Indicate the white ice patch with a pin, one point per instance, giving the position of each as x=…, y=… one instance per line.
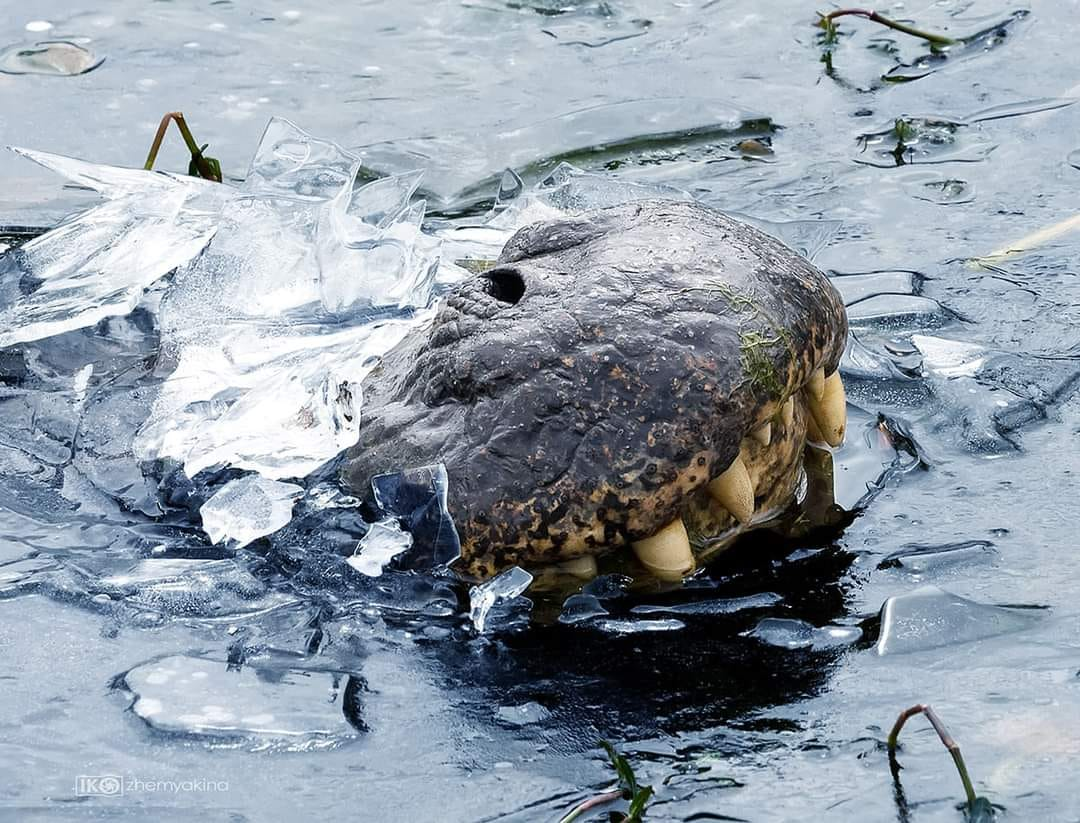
x=246, y=509
x=384, y=541
x=949, y=358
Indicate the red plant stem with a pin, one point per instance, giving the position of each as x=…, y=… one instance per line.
x=591, y=803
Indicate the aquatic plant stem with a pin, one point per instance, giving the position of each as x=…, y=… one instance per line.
x=591, y=803
x=206, y=169
x=827, y=22
x=1027, y=243
x=946, y=740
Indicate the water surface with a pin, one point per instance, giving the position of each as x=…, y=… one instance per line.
x=382, y=703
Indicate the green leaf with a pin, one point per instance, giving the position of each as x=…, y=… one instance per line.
x=828, y=26
x=627, y=781
x=637, y=805
x=210, y=163
x=637, y=795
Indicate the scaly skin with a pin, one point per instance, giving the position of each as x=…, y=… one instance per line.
x=584, y=392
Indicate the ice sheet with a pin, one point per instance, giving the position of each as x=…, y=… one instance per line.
x=308, y=281
x=285, y=291
x=98, y=263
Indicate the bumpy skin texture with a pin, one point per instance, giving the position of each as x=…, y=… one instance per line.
x=586, y=388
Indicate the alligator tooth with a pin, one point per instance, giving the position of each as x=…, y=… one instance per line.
x=830, y=411
x=787, y=412
x=813, y=433
x=816, y=384
x=583, y=567
x=667, y=553
x=763, y=434
x=734, y=491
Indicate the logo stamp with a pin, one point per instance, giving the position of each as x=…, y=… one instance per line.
x=99, y=785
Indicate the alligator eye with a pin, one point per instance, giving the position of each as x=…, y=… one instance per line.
x=505, y=285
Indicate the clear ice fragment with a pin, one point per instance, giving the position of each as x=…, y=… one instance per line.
x=569, y=189
x=613, y=625
x=807, y=237
x=918, y=558
x=417, y=497
x=523, y=715
x=290, y=163
x=500, y=589
x=98, y=264
x=949, y=358
x=579, y=607
x=798, y=634
x=248, y=508
x=259, y=707
x=383, y=542
x=890, y=311
x=930, y=617
x=726, y=605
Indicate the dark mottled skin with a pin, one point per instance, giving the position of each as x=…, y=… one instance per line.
x=582, y=390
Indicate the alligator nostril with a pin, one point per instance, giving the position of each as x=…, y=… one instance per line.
x=505, y=285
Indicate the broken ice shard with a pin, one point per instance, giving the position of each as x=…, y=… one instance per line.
x=949, y=358
x=579, y=607
x=930, y=617
x=500, y=590
x=787, y=633
x=253, y=706
x=417, y=497
x=246, y=509
x=286, y=289
x=384, y=541
x=308, y=281
x=726, y=605
x=98, y=263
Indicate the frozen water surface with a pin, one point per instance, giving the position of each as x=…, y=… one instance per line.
x=172, y=336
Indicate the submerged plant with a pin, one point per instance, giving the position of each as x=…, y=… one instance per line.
x=905, y=132
x=208, y=168
x=976, y=809
x=627, y=789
